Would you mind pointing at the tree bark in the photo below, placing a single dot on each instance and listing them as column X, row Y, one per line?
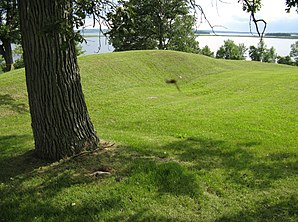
column 60, row 121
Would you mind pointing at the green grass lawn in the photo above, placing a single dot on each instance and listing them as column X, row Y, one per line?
column 225, row 148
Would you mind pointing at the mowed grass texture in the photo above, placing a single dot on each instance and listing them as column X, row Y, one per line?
column 222, row 149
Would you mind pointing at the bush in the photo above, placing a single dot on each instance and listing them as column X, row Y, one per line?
column 19, row 63
column 262, row 54
column 207, row 51
column 2, row 64
column 231, row 51
column 284, row 60
column 294, row 52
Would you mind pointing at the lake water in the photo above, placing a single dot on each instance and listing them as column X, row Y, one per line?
column 96, row 45
column 282, row 46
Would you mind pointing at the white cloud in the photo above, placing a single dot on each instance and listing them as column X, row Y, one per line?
column 230, row 15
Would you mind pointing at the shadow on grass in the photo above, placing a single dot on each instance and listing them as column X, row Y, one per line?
column 36, row 186
column 286, row 210
column 14, row 105
column 14, row 161
column 242, row 166
column 144, row 216
column 28, row 191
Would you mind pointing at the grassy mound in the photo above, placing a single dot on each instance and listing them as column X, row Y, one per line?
column 222, row 149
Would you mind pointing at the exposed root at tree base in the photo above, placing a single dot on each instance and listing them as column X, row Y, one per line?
column 102, row 146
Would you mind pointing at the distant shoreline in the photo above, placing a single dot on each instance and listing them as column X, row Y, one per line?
column 252, row 36
column 276, row 35
column 215, row 35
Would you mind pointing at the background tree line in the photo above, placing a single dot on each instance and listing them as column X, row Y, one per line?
column 9, row 31
column 230, row 50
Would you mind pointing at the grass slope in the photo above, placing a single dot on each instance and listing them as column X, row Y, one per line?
column 223, row 149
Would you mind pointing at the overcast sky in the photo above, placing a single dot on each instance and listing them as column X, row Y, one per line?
column 231, row 16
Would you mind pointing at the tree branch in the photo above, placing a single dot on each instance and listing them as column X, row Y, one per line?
column 252, row 8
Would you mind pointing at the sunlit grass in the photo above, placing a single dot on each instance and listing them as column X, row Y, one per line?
column 222, row 149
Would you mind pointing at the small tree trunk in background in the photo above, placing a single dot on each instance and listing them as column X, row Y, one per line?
column 60, row 121
column 6, row 52
column 160, row 43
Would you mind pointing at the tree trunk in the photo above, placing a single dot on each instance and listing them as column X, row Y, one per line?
column 60, row 121
column 160, row 43
column 160, row 34
column 6, row 52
